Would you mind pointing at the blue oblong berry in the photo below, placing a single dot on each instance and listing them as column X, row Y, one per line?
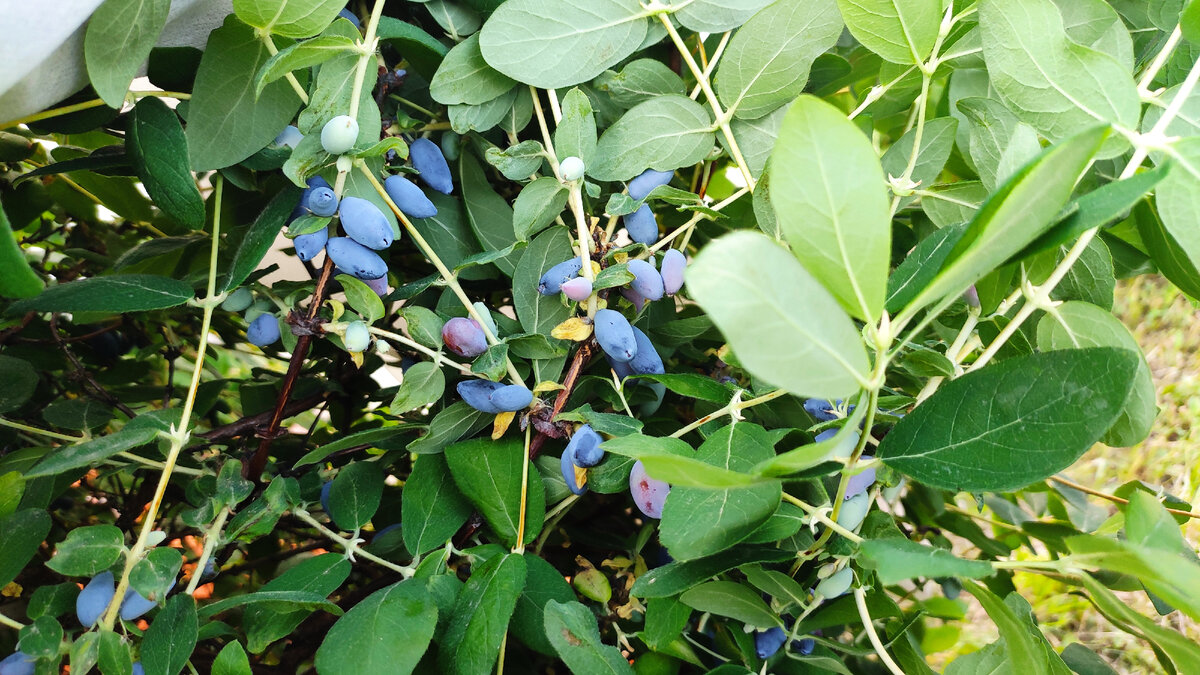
column 646, row 280
column 643, row 183
column 767, row 642
column 349, row 16
column 478, row 393
column 673, row 266
column 263, row 330
column 615, row 335
column 290, row 136
column 309, row 245
column 511, row 398
column 18, row 663
column 134, row 604
column 567, row 465
column 585, row 447
column 365, row 223
column 860, row 482
column 138, row 669
column 325, row 490
column 805, row 647
column 820, row 409
column 94, row 598
column 355, row 258
column 409, row 198
column 322, row 202
column 646, row 361
column 427, row 158
column 641, row 225
column 552, row 281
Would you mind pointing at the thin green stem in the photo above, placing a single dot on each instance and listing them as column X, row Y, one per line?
column 860, row 599
column 155, row 464
column 437, row 356
column 520, row 545
column 584, row 233
column 552, row 517
column 350, row 545
column 211, row 536
column 734, row 408
column 269, row 43
column 11, row 623
column 547, row 141
column 179, row 436
column 42, row 432
column 712, row 63
column 818, row 514
column 722, row 116
column 691, row 223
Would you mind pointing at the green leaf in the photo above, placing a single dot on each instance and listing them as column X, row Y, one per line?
column 361, row 298
column 899, row 31
column 169, row 641
column 330, row 98
column 420, row 49
column 154, row 575
column 517, row 162
column 448, row 233
column 490, row 215
column 1179, row 192
column 158, row 148
column 1084, row 661
column 828, row 190
column 1182, row 651
column 77, row 413
column 1149, row 524
column 1013, row 423
column 1000, row 143
column 87, row 550
column 663, row 133
column 482, row 116
column 767, row 62
column 756, row 138
column 672, row 460
column 260, row 236
column 604, row 423
column 423, row 385
column 676, row 577
column 300, row 55
column 543, row 584
column 20, row 381
column 232, row 660
column 471, row 643
column 573, row 631
column 464, row 77
column 113, row 654
column 1098, row 208
column 113, row 294
column 782, row 325
column 575, row 135
column 1074, row 325
column 692, row 386
column 492, row 363
column 897, row 559
column 433, row 508
column 535, row 346
column 355, row 494
column 921, row 266
column 41, row 638
column 272, row 600
column 552, row 44
column 1167, row 254
column 367, row 437
column 729, row 514
column 489, row 474
column 226, row 122
column 1166, row 573
column 388, row 632
column 638, row 81
column 22, row 533
column 715, row 16
column 118, row 40
column 449, row 425
column 1051, row 82
column 937, row 141
column 17, row 278
column 807, row 456
column 291, row 18
column 92, row 452
column 540, row 313
column 1021, row 210
column 12, row 489
column 734, row 600
column 1018, row 643
column 321, row 574
column 777, row 584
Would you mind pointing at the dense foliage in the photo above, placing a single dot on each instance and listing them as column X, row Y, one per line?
column 732, row 336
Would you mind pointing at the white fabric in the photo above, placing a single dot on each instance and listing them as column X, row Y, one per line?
column 41, row 46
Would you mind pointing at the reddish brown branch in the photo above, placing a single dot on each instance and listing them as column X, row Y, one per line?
column 254, row 468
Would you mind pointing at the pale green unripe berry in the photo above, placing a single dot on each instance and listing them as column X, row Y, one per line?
column 358, row 338
column 571, row 168
column 339, row 134
column 238, row 300
column 835, row 584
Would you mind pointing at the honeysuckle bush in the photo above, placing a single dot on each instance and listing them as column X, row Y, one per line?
column 843, row 422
